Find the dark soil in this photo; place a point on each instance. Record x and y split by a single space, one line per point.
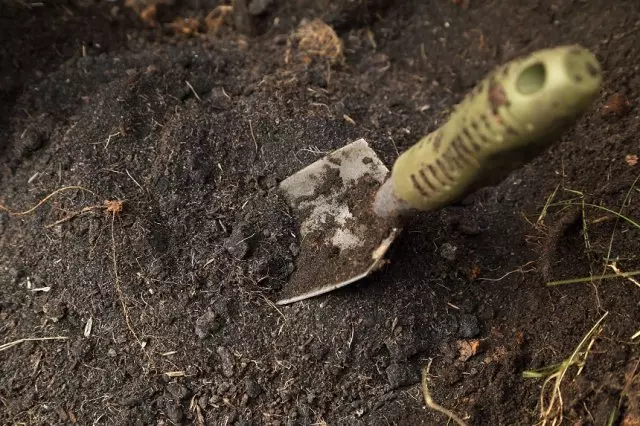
90 95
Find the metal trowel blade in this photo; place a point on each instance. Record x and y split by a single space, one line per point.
341 239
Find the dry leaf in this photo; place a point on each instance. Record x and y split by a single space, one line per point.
467 349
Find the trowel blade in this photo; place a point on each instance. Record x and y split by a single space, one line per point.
341 239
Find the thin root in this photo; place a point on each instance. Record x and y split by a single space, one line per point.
431 403
44 200
119 294
75 214
621 274
6 346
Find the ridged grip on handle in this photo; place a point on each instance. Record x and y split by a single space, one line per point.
510 117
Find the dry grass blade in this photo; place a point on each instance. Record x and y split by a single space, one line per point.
431 403
8 345
622 274
598 207
552 411
543 213
615 225
590 279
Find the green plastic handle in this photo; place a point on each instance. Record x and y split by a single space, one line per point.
516 112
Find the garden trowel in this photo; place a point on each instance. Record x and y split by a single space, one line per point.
350 208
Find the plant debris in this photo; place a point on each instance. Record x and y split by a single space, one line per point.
316 39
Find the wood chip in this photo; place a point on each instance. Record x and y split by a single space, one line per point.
88 326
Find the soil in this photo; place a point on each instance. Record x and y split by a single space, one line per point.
167 305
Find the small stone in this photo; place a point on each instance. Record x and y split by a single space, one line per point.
252 387
401 375
448 251
294 249
468 326
111 352
207 324
227 361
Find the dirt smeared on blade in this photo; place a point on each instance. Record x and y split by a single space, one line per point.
338 252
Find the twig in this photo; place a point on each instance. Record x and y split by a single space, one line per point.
431 403
74 214
29 339
589 279
543 213
622 274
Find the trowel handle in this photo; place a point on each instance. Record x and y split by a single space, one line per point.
511 116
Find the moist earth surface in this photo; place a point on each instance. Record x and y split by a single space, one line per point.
156 133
